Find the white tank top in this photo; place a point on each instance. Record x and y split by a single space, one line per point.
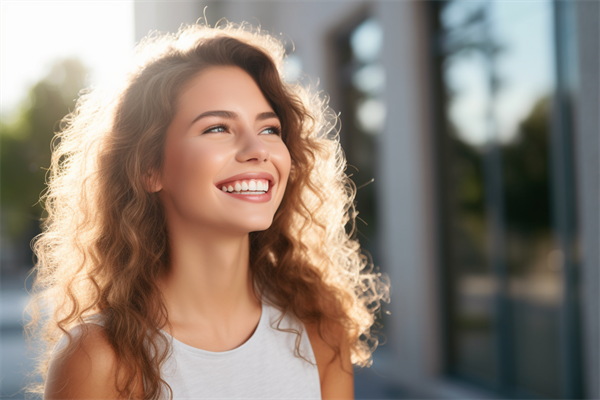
264 367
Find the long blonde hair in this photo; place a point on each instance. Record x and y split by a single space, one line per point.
104 240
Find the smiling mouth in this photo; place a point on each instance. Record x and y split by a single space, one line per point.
253 196
247 187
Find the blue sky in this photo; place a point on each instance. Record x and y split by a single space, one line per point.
526 68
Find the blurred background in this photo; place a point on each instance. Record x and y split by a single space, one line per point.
478 121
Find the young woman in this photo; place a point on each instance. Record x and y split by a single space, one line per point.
195 244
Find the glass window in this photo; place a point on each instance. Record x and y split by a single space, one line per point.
505 280
361 83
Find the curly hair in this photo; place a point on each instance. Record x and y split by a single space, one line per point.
104 240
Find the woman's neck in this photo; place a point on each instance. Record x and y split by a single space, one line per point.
209 283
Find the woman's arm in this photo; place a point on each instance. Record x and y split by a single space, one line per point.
337 378
88 372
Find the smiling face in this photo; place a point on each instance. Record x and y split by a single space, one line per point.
223 127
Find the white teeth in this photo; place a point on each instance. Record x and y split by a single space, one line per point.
248 192
255 187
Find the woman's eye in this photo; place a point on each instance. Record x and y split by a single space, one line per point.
273 130
216 129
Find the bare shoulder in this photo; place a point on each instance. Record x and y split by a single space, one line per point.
336 374
87 371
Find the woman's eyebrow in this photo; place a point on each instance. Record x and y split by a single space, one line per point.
266 115
232 115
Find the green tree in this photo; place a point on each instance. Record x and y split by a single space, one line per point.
526 172
25 147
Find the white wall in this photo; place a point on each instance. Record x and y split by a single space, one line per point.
163 16
403 206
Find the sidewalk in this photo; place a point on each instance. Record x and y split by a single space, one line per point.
15 362
377 382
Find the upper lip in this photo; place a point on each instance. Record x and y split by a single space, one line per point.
248 175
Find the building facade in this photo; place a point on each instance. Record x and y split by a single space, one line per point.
478 122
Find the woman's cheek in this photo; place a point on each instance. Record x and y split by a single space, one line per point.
285 162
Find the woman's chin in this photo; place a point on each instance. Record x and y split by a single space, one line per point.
253 226
261 227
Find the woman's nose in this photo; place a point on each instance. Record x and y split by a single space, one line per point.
252 148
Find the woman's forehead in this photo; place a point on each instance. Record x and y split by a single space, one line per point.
224 88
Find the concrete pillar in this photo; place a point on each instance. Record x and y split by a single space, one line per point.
587 166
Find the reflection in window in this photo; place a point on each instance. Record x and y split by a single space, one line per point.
504 288
368 76
362 112
292 68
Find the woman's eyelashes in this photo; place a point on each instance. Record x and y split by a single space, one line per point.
225 128
217 129
274 129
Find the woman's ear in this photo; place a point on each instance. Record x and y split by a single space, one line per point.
152 182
